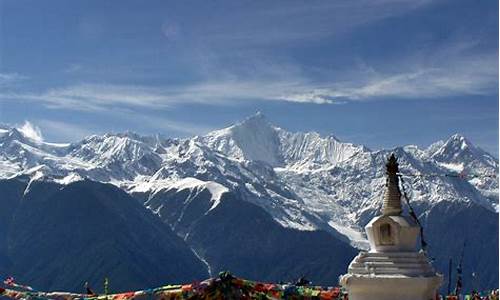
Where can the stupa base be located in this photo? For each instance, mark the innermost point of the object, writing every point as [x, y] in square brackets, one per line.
[366, 287]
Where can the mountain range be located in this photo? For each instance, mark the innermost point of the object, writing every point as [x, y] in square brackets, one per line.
[253, 198]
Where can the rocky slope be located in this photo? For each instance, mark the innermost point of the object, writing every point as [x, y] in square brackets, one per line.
[59, 236]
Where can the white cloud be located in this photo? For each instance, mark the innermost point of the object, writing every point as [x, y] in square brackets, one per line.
[454, 69]
[73, 68]
[317, 96]
[31, 131]
[7, 79]
[454, 75]
[470, 78]
[421, 84]
[91, 97]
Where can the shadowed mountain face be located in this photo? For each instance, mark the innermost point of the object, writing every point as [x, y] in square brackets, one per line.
[448, 226]
[58, 237]
[241, 237]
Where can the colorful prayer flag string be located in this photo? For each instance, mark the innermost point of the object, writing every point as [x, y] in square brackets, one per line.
[9, 281]
[461, 175]
[224, 287]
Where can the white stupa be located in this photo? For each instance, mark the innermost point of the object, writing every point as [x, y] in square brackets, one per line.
[393, 268]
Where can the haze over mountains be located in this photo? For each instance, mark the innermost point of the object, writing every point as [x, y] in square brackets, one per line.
[262, 202]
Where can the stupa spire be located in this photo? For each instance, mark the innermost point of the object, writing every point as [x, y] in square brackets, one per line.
[392, 195]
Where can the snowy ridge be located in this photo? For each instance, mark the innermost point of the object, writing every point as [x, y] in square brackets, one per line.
[256, 139]
[305, 181]
[253, 139]
[188, 183]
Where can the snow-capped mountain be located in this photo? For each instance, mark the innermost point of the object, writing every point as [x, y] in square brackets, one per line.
[340, 181]
[302, 180]
[256, 139]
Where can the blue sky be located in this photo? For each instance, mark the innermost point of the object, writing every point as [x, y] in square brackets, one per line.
[378, 73]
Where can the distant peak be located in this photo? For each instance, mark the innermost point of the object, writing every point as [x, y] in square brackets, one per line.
[332, 136]
[14, 133]
[458, 139]
[457, 136]
[25, 132]
[455, 146]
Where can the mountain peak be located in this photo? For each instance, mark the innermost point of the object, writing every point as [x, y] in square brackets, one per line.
[458, 142]
[458, 137]
[14, 134]
[458, 148]
[26, 134]
[253, 139]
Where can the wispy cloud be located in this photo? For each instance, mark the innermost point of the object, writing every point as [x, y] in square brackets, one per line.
[456, 68]
[73, 68]
[450, 71]
[475, 77]
[31, 131]
[426, 83]
[103, 97]
[7, 79]
[92, 97]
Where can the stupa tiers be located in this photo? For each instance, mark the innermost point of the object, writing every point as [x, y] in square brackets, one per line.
[393, 268]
